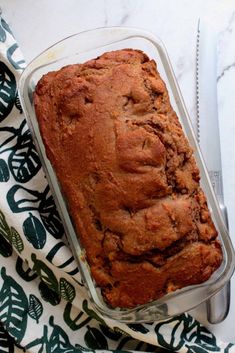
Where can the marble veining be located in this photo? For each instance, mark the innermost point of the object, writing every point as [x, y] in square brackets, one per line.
[226, 47]
[118, 15]
[225, 70]
[176, 24]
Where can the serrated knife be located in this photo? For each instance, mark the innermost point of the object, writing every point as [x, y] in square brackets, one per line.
[207, 133]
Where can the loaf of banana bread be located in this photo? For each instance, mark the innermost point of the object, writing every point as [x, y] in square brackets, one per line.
[129, 177]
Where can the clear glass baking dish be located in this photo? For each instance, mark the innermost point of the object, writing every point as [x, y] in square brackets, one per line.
[77, 49]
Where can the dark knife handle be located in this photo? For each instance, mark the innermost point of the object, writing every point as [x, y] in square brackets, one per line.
[218, 305]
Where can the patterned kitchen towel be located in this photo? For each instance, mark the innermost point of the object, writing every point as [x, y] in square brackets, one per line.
[43, 304]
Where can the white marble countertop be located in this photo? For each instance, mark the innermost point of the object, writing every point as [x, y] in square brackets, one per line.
[39, 24]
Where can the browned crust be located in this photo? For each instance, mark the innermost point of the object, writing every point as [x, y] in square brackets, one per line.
[129, 177]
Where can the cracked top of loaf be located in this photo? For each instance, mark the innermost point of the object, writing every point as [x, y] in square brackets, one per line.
[129, 177]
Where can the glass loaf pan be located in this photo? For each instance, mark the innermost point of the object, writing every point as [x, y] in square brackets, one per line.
[80, 48]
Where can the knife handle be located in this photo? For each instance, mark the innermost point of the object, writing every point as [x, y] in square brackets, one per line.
[218, 305]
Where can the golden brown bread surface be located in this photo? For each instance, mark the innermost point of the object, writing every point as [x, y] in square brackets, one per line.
[129, 177]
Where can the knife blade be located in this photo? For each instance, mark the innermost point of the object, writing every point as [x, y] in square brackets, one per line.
[207, 132]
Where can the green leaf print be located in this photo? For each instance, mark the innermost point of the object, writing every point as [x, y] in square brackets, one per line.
[68, 264]
[94, 339]
[50, 216]
[10, 137]
[35, 308]
[11, 52]
[124, 341]
[16, 240]
[205, 338]
[5, 247]
[138, 328]
[6, 342]
[48, 287]
[2, 34]
[228, 348]
[67, 290]
[4, 171]
[7, 90]
[140, 346]
[48, 294]
[24, 161]
[13, 307]
[195, 349]
[18, 104]
[4, 228]
[59, 340]
[21, 199]
[10, 234]
[108, 332]
[45, 273]
[155, 349]
[200, 337]
[123, 333]
[75, 323]
[5, 26]
[24, 271]
[186, 330]
[34, 231]
[91, 312]
[42, 342]
[174, 340]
